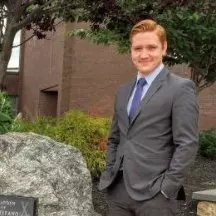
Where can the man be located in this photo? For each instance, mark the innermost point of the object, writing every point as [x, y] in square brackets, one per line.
[153, 138]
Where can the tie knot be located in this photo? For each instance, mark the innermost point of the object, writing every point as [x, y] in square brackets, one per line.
[141, 82]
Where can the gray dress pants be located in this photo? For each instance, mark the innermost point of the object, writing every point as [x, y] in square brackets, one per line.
[120, 204]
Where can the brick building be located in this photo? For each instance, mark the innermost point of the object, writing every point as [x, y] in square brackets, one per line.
[64, 73]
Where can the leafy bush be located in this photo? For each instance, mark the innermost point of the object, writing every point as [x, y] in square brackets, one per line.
[207, 142]
[75, 128]
[41, 125]
[86, 133]
[78, 127]
[5, 112]
[21, 126]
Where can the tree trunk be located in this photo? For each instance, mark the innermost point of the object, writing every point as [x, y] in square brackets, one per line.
[6, 51]
[194, 77]
[3, 70]
[199, 79]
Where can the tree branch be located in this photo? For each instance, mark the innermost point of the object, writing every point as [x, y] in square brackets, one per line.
[200, 78]
[205, 85]
[3, 9]
[208, 65]
[10, 4]
[32, 37]
[54, 9]
[29, 18]
[29, 3]
[23, 41]
[212, 55]
[18, 4]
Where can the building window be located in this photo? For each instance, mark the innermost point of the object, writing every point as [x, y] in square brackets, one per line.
[14, 63]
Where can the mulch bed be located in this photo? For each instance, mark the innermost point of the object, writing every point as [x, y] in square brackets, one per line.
[202, 176]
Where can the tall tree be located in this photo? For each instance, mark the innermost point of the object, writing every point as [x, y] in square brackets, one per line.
[39, 16]
[190, 26]
[192, 40]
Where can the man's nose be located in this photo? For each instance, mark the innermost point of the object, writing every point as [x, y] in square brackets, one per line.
[144, 54]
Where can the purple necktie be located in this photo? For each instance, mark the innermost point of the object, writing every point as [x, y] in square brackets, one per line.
[137, 97]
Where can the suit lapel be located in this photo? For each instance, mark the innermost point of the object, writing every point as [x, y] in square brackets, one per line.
[155, 86]
[125, 98]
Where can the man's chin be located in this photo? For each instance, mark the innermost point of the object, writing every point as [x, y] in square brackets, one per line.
[145, 71]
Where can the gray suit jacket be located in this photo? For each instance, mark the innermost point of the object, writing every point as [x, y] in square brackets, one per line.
[160, 143]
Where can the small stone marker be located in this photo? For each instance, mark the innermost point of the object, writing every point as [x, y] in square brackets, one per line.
[207, 202]
[18, 206]
[32, 165]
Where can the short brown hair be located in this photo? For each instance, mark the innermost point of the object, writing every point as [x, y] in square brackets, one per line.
[148, 26]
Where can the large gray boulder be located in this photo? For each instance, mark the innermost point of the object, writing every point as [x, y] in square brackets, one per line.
[36, 166]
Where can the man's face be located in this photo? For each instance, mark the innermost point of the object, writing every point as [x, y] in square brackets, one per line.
[147, 51]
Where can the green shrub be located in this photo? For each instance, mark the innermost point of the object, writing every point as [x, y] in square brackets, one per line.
[44, 126]
[5, 113]
[21, 126]
[77, 129]
[207, 142]
[85, 133]
[41, 125]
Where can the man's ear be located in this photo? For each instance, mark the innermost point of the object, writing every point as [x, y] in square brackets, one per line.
[164, 46]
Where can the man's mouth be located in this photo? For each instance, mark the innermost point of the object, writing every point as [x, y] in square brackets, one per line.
[144, 62]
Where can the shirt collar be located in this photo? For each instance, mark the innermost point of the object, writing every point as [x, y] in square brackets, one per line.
[150, 77]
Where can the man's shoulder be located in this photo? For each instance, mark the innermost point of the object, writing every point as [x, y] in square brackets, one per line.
[127, 84]
[178, 80]
[180, 85]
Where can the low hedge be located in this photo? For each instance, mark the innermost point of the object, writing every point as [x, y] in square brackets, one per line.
[207, 142]
[89, 135]
[6, 112]
[75, 128]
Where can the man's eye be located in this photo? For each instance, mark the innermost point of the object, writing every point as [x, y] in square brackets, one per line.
[152, 48]
[137, 48]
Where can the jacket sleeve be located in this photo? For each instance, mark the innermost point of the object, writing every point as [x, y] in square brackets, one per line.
[113, 140]
[185, 138]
